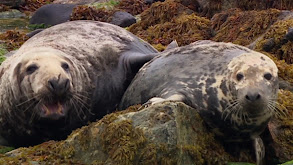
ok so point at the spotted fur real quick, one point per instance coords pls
(217, 79)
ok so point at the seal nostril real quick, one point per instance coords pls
(258, 96)
(52, 85)
(67, 84)
(253, 97)
(247, 97)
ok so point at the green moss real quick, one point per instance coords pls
(242, 27)
(107, 5)
(288, 163)
(3, 51)
(37, 26)
(4, 149)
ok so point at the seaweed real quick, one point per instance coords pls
(282, 50)
(13, 39)
(242, 27)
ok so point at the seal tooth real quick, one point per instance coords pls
(47, 111)
(60, 107)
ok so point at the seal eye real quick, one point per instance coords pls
(65, 66)
(239, 76)
(31, 69)
(268, 76)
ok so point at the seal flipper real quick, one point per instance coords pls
(172, 45)
(259, 150)
(136, 60)
(156, 100)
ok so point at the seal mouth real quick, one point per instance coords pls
(55, 110)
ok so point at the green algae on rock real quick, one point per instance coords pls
(242, 27)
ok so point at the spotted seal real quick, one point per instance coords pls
(65, 76)
(233, 88)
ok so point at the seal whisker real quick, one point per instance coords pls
(277, 108)
(30, 105)
(34, 113)
(75, 108)
(26, 101)
(228, 110)
(82, 102)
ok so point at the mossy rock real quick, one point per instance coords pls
(242, 27)
(281, 127)
(167, 133)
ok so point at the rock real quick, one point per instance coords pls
(268, 46)
(289, 35)
(12, 3)
(123, 19)
(281, 127)
(52, 14)
(165, 133)
(12, 14)
(30, 34)
(79, 2)
(153, 1)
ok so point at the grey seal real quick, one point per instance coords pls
(64, 77)
(233, 88)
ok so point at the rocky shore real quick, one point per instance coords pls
(171, 132)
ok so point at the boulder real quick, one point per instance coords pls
(165, 133)
(12, 3)
(52, 14)
(11, 14)
(123, 19)
(79, 2)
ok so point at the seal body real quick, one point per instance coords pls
(232, 87)
(63, 77)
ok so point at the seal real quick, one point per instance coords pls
(233, 88)
(65, 76)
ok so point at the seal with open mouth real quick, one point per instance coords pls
(47, 87)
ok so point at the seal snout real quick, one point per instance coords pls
(252, 96)
(59, 86)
